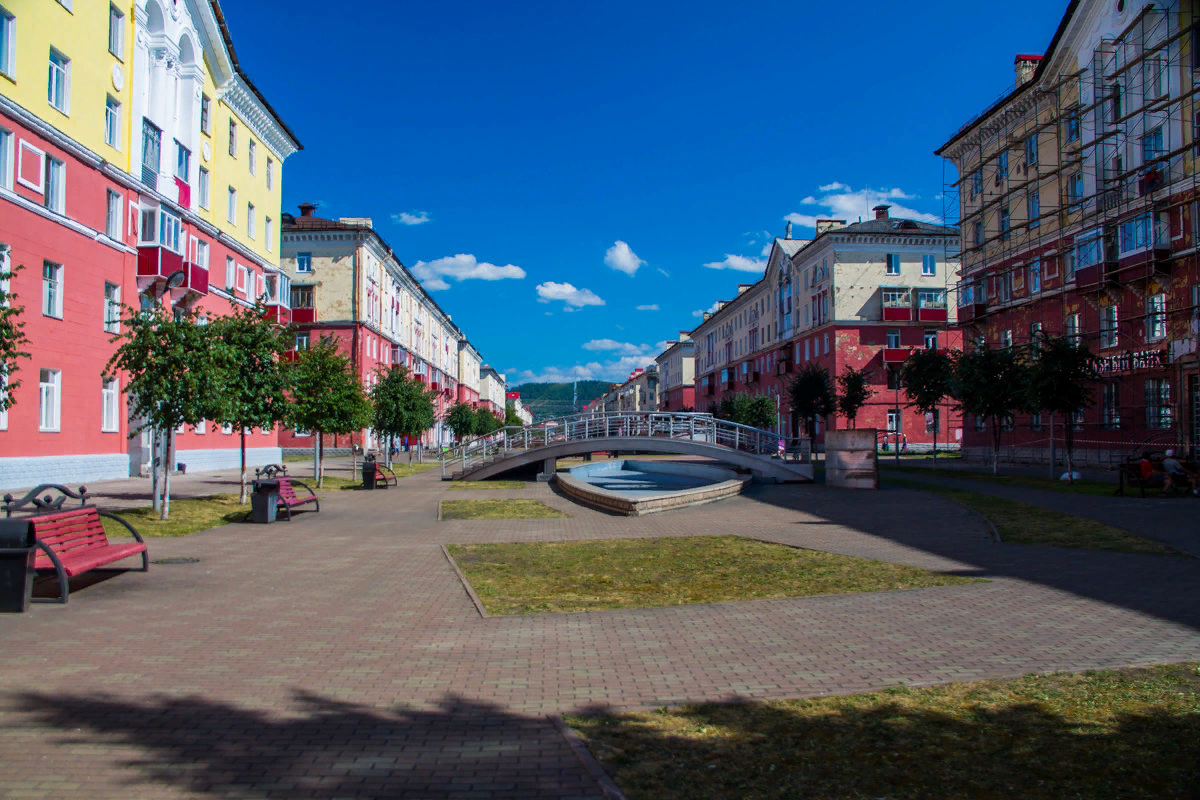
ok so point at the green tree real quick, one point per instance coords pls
(485, 422)
(12, 339)
(1060, 377)
(755, 411)
(855, 386)
(461, 419)
(250, 351)
(326, 397)
(928, 380)
(403, 406)
(811, 394)
(173, 376)
(992, 385)
(510, 416)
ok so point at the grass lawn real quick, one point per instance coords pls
(467, 486)
(188, 515)
(527, 578)
(1027, 524)
(1116, 733)
(498, 509)
(1096, 488)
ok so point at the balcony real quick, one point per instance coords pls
(279, 314)
(972, 310)
(303, 316)
(897, 305)
(895, 355)
(156, 262)
(783, 366)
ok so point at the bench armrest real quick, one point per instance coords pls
(127, 526)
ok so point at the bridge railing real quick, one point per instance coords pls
(598, 426)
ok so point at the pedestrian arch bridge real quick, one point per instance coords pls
(647, 432)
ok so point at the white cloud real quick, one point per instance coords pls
(766, 251)
(842, 202)
(626, 358)
(573, 299)
(739, 263)
(462, 267)
(663, 272)
(415, 218)
(624, 348)
(650, 307)
(710, 310)
(622, 258)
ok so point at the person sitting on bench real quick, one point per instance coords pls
(1175, 471)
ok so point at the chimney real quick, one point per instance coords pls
(787, 232)
(1025, 64)
(881, 211)
(829, 225)
(306, 209)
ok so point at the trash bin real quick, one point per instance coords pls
(368, 469)
(16, 565)
(264, 503)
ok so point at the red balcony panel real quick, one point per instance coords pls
(932, 315)
(197, 278)
(897, 314)
(301, 316)
(157, 262)
(1089, 276)
(185, 193)
(895, 355)
(279, 315)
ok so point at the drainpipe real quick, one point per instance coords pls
(354, 271)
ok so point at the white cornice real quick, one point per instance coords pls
(245, 103)
(66, 222)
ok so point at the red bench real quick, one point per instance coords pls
(73, 542)
(384, 476)
(288, 498)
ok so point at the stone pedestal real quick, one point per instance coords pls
(850, 461)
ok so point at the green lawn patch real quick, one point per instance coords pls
(1116, 733)
(188, 515)
(467, 486)
(537, 577)
(498, 509)
(1028, 524)
(1096, 488)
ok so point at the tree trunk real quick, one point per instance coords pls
(995, 446)
(1068, 443)
(170, 456)
(319, 457)
(155, 462)
(937, 423)
(243, 499)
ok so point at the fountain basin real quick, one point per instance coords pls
(636, 488)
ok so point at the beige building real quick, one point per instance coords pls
(677, 374)
(492, 388)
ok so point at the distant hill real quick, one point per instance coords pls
(554, 399)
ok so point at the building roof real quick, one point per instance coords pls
(791, 246)
(896, 225)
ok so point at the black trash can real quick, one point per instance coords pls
(368, 469)
(16, 565)
(264, 503)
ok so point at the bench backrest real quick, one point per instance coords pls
(66, 532)
(286, 491)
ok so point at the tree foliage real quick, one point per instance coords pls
(402, 404)
(12, 339)
(461, 419)
(811, 394)
(510, 416)
(928, 380)
(991, 384)
(485, 422)
(854, 391)
(750, 410)
(326, 395)
(1060, 377)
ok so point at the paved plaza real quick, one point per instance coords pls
(339, 656)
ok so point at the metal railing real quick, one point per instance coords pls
(479, 451)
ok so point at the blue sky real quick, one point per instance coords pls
(575, 182)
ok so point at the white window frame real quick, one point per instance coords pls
(270, 173)
(58, 75)
(116, 32)
(170, 232)
(206, 115)
(52, 304)
(268, 231)
(1156, 317)
(110, 417)
(928, 266)
(1109, 336)
(233, 138)
(201, 427)
(302, 338)
(49, 400)
(245, 281)
(231, 211)
(252, 156)
(304, 262)
(251, 219)
(230, 274)
(112, 122)
(227, 429)
(892, 264)
(204, 188)
(6, 158)
(39, 154)
(114, 214)
(8, 56)
(55, 194)
(201, 258)
(112, 307)
(3, 394)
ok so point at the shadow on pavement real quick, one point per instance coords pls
(328, 749)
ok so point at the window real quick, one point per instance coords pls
(928, 265)
(1136, 234)
(250, 219)
(1108, 326)
(1005, 222)
(268, 234)
(6, 158)
(1158, 403)
(245, 281)
(1196, 134)
(1073, 329)
(1156, 317)
(301, 342)
(204, 189)
(1110, 411)
(231, 211)
(1035, 276)
(112, 215)
(151, 153)
(1071, 124)
(977, 183)
(893, 421)
(49, 399)
(1001, 167)
(806, 353)
(1035, 338)
(980, 423)
(1035, 421)
(56, 185)
(201, 427)
(252, 156)
(183, 162)
(931, 340)
(931, 298)
(1115, 104)
(202, 254)
(58, 83)
(304, 262)
(1152, 145)
(893, 379)
(230, 273)
(931, 421)
(233, 138)
(109, 421)
(1006, 339)
(978, 234)
(826, 337)
(1031, 151)
(893, 264)
(893, 338)
(1155, 78)
(116, 32)
(8, 48)
(302, 297)
(1087, 251)
(227, 429)
(112, 122)
(1033, 202)
(206, 115)
(52, 289)
(112, 308)
(270, 173)
(168, 226)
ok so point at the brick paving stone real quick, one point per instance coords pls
(338, 655)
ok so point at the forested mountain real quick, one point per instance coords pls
(554, 399)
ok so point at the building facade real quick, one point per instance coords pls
(677, 375)
(1081, 217)
(116, 127)
(492, 388)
